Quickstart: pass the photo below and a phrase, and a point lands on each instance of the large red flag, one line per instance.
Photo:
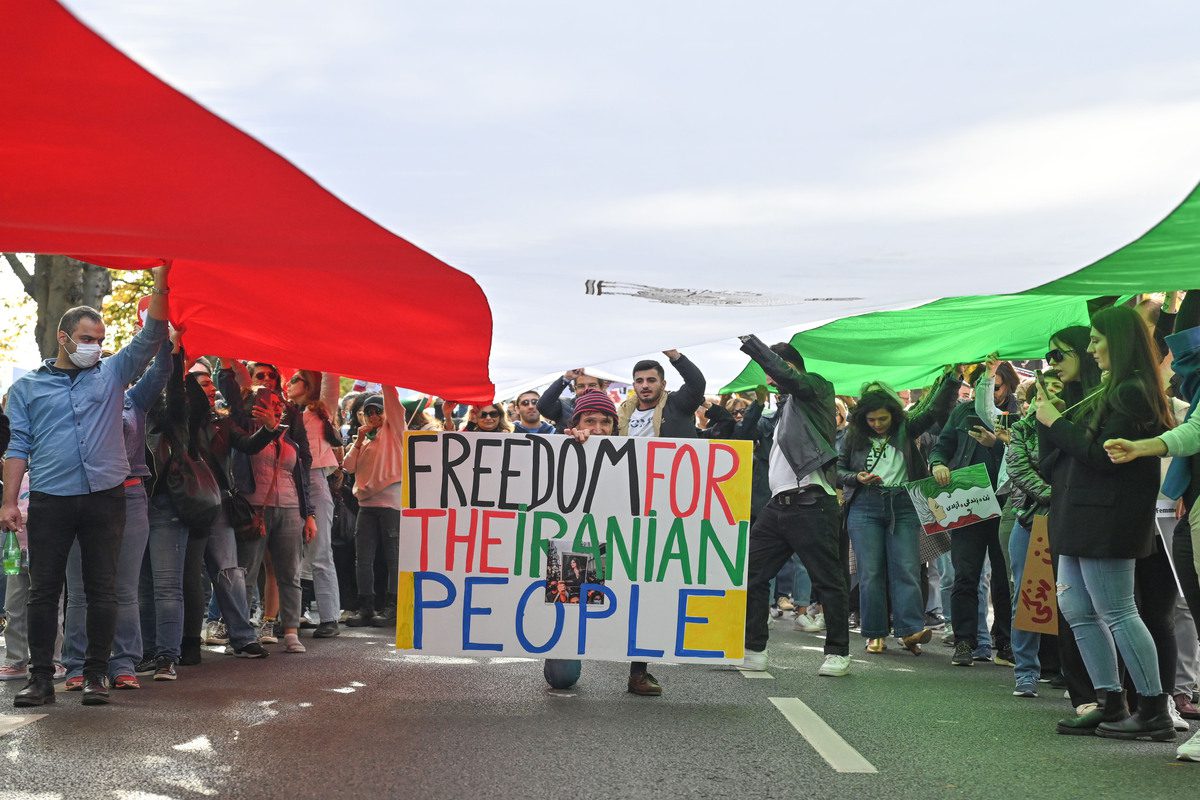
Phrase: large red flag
(100, 158)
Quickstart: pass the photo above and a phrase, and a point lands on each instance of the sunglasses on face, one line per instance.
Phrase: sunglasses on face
(1058, 355)
(371, 412)
(262, 376)
(529, 402)
(489, 414)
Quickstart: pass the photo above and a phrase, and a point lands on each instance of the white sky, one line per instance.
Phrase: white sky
(894, 152)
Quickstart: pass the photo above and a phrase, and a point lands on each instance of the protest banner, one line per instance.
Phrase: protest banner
(968, 498)
(615, 549)
(1037, 600)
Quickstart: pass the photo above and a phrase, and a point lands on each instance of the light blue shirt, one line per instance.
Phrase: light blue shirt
(70, 431)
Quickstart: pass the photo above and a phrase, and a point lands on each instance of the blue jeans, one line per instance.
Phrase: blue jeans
(1025, 644)
(127, 642)
(162, 581)
(563, 673)
(229, 582)
(1096, 597)
(884, 528)
(317, 560)
(793, 581)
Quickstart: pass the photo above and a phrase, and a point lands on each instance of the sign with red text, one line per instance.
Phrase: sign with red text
(618, 549)
(1037, 598)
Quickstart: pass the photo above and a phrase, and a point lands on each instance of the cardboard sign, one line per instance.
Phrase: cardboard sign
(967, 499)
(616, 549)
(1037, 599)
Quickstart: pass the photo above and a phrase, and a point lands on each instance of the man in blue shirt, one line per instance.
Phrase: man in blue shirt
(67, 429)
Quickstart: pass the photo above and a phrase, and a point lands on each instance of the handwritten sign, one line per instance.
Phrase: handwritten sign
(966, 500)
(616, 549)
(1037, 600)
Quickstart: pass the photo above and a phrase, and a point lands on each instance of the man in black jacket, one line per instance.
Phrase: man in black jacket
(965, 441)
(551, 405)
(802, 516)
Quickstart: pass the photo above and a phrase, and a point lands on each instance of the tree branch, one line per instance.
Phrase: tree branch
(22, 273)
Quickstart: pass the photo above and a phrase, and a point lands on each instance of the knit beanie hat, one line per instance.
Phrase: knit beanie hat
(592, 402)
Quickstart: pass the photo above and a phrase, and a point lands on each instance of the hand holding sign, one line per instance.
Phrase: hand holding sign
(941, 474)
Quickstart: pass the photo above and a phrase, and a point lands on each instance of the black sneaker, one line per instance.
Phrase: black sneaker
(147, 666)
(1004, 656)
(326, 630)
(963, 655)
(165, 671)
(252, 650)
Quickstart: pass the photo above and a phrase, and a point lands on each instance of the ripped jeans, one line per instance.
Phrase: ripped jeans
(229, 582)
(1095, 595)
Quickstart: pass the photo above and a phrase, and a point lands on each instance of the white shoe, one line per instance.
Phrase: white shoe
(1178, 721)
(754, 662)
(1189, 750)
(12, 672)
(811, 624)
(835, 666)
(291, 644)
(1086, 708)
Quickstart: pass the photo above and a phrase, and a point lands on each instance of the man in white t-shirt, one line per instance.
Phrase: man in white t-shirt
(654, 411)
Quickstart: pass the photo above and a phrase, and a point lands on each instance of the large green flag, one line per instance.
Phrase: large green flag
(907, 348)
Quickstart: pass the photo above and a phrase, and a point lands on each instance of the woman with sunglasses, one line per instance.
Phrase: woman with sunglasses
(1102, 520)
(880, 455)
(375, 459)
(278, 480)
(488, 419)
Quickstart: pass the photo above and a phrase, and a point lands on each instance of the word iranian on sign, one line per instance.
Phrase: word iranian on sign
(967, 499)
(615, 549)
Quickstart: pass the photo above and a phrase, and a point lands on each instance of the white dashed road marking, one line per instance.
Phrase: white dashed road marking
(10, 722)
(824, 739)
(764, 675)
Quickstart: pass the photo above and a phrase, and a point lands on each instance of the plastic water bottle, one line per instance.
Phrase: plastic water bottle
(12, 554)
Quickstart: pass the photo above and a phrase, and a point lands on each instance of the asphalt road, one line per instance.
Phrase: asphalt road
(353, 718)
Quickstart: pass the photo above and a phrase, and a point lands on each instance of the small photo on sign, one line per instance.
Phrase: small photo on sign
(566, 573)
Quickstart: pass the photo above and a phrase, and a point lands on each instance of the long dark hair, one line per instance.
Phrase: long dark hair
(1077, 338)
(1132, 359)
(858, 432)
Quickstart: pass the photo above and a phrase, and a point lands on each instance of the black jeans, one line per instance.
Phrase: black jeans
(1155, 593)
(376, 528)
(813, 532)
(969, 546)
(98, 521)
(1185, 566)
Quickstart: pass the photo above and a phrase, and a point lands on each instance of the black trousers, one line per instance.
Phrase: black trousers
(376, 529)
(97, 520)
(969, 546)
(1155, 593)
(812, 531)
(1185, 567)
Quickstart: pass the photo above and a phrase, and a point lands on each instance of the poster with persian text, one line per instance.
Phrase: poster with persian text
(617, 549)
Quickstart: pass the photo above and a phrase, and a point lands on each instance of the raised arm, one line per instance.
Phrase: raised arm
(802, 385)
(133, 357)
(550, 405)
(154, 380)
(690, 396)
(936, 409)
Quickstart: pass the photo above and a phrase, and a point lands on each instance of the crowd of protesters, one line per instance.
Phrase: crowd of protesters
(166, 503)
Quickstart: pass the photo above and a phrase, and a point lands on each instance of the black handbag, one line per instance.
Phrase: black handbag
(193, 490)
(247, 521)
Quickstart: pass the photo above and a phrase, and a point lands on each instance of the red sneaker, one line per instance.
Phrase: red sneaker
(126, 682)
(74, 684)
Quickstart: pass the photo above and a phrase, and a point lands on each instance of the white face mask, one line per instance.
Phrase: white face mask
(85, 355)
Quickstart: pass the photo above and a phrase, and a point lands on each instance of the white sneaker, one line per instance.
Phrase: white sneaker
(60, 671)
(1086, 708)
(754, 662)
(835, 666)
(811, 624)
(1178, 721)
(292, 644)
(1189, 750)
